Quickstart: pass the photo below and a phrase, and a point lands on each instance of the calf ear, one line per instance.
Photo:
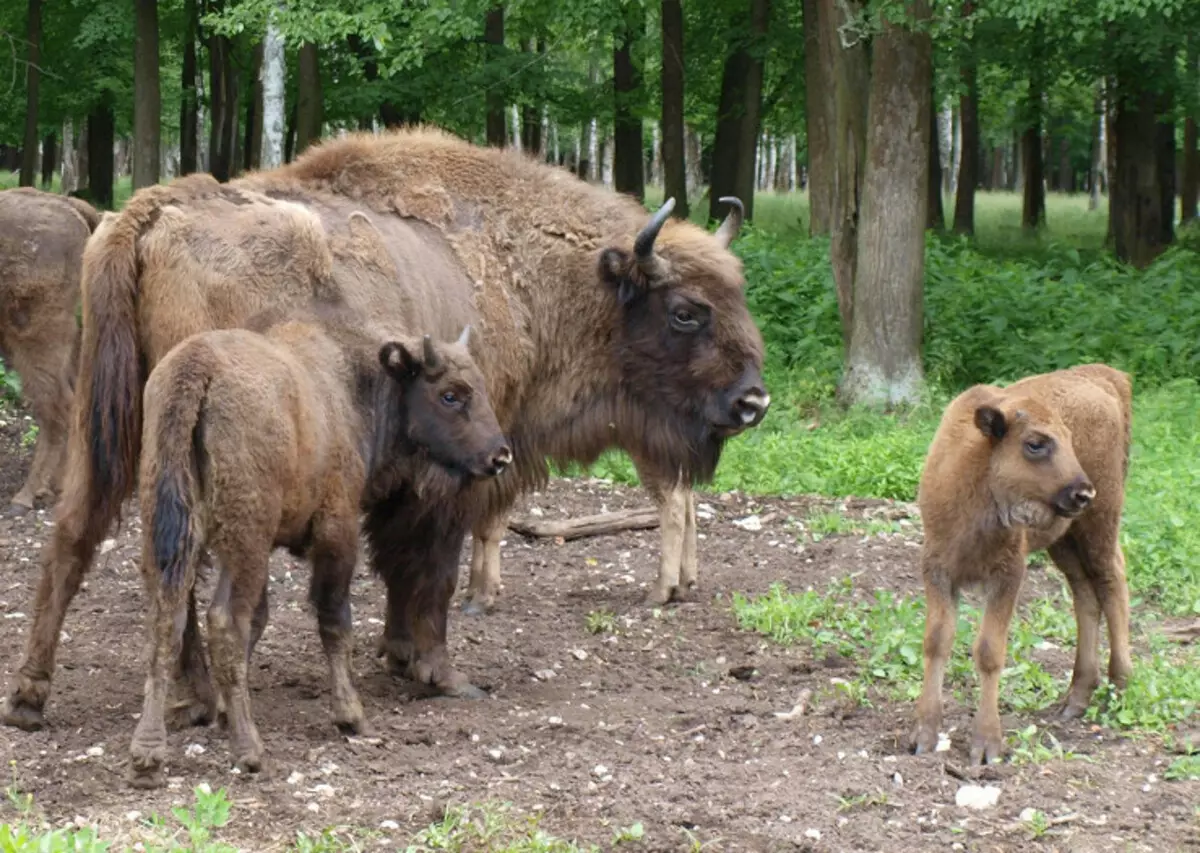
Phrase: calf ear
(399, 361)
(617, 271)
(991, 423)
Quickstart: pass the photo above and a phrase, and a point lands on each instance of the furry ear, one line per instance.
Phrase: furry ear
(616, 270)
(399, 361)
(991, 423)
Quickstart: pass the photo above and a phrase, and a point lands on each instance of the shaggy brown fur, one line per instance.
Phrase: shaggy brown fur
(1040, 464)
(42, 236)
(584, 344)
(295, 479)
(678, 564)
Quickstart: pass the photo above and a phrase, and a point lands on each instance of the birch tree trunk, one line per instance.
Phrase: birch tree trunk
(274, 75)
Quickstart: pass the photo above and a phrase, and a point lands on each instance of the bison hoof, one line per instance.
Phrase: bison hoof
(146, 764)
(251, 762)
(1069, 710)
(350, 720)
(194, 713)
(658, 596)
(23, 715)
(148, 779)
(476, 607)
(986, 749)
(923, 740)
(465, 690)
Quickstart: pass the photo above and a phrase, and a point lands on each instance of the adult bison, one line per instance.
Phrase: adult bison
(42, 236)
(597, 328)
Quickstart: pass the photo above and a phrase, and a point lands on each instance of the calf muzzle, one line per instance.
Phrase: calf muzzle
(1074, 498)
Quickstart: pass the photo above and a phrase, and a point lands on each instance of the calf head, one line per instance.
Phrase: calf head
(1034, 474)
(687, 347)
(446, 413)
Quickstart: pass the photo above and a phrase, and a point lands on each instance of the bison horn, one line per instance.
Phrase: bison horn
(432, 362)
(643, 246)
(733, 220)
(464, 340)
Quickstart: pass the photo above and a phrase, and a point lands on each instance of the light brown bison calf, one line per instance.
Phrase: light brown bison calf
(1040, 464)
(253, 441)
(42, 237)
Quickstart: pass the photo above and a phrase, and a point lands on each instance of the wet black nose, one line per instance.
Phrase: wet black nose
(499, 460)
(751, 406)
(1076, 497)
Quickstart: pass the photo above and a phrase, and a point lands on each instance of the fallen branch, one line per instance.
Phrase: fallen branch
(1184, 633)
(587, 525)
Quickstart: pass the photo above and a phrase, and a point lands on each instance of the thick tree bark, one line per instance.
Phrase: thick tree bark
(738, 117)
(1136, 197)
(674, 158)
(147, 96)
(33, 73)
(83, 175)
(531, 114)
(1189, 192)
(1033, 205)
(274, 75)
(935, 216)
(628, 169)
(49, 158)
(190, 101)
(310, 104)
(968, 166)
(883, 365)
(1167, 164)
(819, 109)
(100, 141)
(493, 35)
(70, 160)
(1066, 179)
(289, 136)
(1098, 175)
(223, 111)
(851, 83)
(253, 135)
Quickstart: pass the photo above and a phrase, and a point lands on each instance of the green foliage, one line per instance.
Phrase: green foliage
(1185, 768)
(491, 827)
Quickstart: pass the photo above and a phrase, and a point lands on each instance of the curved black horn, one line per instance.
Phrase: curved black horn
(733, 220)
(643, 246)
(431, 357)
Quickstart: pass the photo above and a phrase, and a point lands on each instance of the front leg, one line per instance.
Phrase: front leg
(991, 651)
(941, 622)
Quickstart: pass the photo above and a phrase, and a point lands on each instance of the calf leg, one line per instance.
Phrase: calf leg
(991, 650)
(195, 703)
(484, 584)
(1086, 675)
(229, 617)
(335, 553)
(941, 622)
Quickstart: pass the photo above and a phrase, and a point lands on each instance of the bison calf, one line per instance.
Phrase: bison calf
(253, 441)
(1040, 464)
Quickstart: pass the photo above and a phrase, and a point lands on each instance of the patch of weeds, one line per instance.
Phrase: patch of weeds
(196, 825)
(492, 827)
(828, 523)
(29, 437)
(862, 801)
(333, 840)
(694, 844)
(602, 621)
(1038, 823)
(20, 801)
(633, 832)
(1163, 690)
(1185, 768)
(1031, 746)
(10, 384)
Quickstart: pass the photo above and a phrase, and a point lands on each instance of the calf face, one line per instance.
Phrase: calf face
(446, 405)
(1035, 477)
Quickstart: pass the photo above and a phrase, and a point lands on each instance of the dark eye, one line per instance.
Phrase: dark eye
(1036, 447)
(684, 320)
(450, 398)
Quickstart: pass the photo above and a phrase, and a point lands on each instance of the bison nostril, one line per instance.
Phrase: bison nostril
(752, 406)
(1084, 496)
(501, 459)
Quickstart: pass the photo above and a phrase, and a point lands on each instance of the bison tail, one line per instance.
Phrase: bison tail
(175, 527)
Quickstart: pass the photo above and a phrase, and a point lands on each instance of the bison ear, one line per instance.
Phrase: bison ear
(615, 271)
(991, 423)
(399, 361)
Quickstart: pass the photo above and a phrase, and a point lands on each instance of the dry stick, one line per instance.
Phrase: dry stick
(587, 525)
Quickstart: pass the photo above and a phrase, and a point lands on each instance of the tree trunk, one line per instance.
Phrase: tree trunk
(851, 83)
(70, 167)
(819, 118)
(1033, 206)
(674, 159)
(584, 165)
(253, 133)
(1190, 191)
(736, 140)
(189, 102)
(221, 111)
(83, 176)
(310, 105)
(935, 218)
(1167, 165)
(1136, 194)
(493, 35)
(147, 96)
(274, 75)
(1065, 170)
(883, 365)
(33, 73)
(49, 159)
(1096, 173)
(531, 114)
(289, 135)
(628, 173)
(968, 166)
(100, 141)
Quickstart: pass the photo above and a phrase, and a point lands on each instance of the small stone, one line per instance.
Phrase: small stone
(193, 749)
(295, 778)
(752, 523)
(313, 807)
(599, 770)
(389, 825)
(496, 754)
(205, 788)
(977, 797)
(555, 721)
(544, 674)
(814, 834)
(95, 751)
(1028, 814)
(943, 744)
(107, 545)
(897, 780)
(817, 740)
(133, 815)
(579, 654)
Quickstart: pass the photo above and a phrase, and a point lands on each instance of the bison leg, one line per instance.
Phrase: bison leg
(229, 618)
(334, 558)
(195, 703)
(1086, 675)
(484, 584)
(166, 629)
(65, 559)
(941, 622)
(1106, 567)
(672, 508)
(991, 650)
(689, 568)
(49, 395)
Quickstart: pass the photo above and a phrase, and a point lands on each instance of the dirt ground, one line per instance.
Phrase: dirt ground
(673, 721)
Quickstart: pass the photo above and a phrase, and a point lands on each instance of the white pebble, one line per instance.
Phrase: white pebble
(599, 770)
(133, 815)
(977, 797)
(95, 751)
(193, 749)
(313, 807)
(817, 740)
(296, 778)
(579, 654)
(107, 545)
(814, 834)
(389, 825)
(1027, 814)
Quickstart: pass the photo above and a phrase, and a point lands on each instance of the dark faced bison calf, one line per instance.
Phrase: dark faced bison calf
(42, 236)
(1039, 464)
(254, 441)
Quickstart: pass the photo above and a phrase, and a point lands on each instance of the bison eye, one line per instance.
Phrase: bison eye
(684, 320)
(1036, 448)
(450, 398)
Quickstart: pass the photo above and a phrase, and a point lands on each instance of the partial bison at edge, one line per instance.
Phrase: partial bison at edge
(1040, 464)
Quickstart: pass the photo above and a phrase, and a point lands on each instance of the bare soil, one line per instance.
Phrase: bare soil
(671, 721)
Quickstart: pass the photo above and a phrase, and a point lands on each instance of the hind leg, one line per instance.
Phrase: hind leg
(1105, 563)
(195, 702)
(229, 619)
(484, 584)
(1086, 675)
(335, 553)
